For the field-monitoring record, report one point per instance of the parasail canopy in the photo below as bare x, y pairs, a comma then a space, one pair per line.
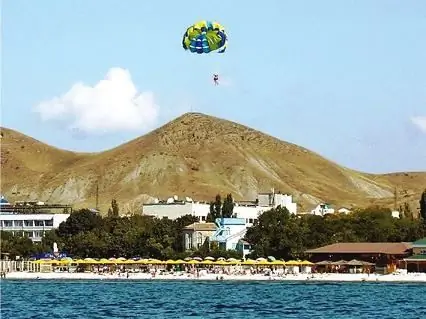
205, 37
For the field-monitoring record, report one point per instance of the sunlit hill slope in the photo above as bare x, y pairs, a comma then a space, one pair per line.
194, 155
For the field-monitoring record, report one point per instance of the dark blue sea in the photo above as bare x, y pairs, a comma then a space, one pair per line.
197, 299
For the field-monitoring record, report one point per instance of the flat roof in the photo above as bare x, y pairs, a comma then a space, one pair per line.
366, 248
420, 243
29, 216
201, 227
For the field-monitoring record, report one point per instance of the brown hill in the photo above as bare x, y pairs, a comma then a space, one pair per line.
194, 155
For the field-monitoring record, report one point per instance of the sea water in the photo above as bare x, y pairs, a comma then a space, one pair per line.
210, 299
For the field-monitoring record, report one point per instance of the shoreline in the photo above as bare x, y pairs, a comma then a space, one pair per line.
407, 278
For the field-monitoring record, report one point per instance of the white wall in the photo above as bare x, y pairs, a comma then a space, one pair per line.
275, 200
35, 225
59, 218
176, 210
200, 210
236, 232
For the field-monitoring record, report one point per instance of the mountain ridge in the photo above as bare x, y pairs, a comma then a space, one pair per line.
193, 155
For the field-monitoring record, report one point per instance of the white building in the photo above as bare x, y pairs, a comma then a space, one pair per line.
268, 200
32, 225
250, 211
396, 214
322, 209
344, 210
229, 232
177, 209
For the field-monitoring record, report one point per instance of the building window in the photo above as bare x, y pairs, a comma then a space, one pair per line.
8, 223
203, 218
38, 223
38, 233
28, 223
48, 222
250, 220
18, 223
199, 239
227, 231
28, 234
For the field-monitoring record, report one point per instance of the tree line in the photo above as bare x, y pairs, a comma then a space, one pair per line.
277, 233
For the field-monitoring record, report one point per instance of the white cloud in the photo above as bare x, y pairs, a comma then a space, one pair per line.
420, 122
113, 104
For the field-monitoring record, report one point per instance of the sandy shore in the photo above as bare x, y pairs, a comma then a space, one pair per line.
411, 277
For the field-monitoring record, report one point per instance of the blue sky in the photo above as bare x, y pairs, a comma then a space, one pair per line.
343, 78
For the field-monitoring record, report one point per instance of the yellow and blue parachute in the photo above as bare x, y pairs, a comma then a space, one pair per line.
205, 37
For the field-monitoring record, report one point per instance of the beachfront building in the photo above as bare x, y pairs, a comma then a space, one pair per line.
195, 235
229, 232
174, 208
32, 225
386, 256
417, 262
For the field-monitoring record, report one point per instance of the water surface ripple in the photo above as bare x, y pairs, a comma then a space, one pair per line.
197, 299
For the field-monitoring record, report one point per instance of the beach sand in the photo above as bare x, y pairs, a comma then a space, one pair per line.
410, 277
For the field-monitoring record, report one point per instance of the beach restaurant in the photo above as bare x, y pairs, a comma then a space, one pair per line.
417, 262
386, 256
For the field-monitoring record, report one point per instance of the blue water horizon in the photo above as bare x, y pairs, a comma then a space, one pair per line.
209, 299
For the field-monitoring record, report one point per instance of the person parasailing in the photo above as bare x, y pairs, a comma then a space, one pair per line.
216, 79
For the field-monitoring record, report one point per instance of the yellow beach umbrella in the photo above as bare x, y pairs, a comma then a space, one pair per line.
106, 261
78, 261
221, 263
179, 262
130, 262
249, 262
292, 263
193, 262
207, 262
89, 261
170, 262
278, 262
154, 261
306, 263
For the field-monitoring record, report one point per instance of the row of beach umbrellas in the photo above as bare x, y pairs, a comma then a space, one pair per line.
189, 260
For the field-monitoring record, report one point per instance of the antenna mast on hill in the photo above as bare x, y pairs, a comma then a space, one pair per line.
395, 196
97, 195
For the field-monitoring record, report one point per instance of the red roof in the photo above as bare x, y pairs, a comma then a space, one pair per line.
363, 248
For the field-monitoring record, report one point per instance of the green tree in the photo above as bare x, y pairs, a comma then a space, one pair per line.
215, 209
278, 234
423, 206
228, 206
79, 221
114, 211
